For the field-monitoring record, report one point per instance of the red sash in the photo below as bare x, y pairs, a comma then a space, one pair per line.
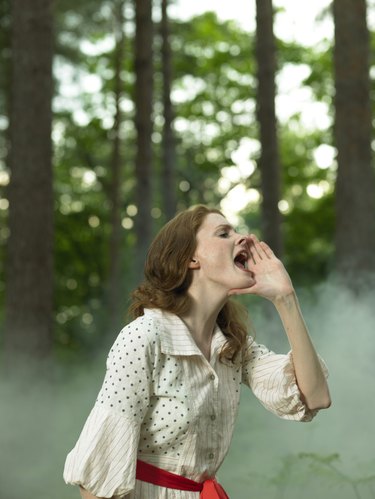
209, 489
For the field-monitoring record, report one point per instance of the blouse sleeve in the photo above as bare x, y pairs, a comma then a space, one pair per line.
272, 379
103, 460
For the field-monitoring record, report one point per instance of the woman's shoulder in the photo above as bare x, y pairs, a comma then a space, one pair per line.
145, 330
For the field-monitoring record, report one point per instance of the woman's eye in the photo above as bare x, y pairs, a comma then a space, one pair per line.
224, 234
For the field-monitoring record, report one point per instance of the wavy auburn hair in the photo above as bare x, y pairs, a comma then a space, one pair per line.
168, 277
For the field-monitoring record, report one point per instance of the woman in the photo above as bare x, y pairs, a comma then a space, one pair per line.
163, 420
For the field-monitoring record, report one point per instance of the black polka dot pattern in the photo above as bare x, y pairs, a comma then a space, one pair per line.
163, 402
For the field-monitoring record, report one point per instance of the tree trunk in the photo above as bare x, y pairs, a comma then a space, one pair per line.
29, 277
143, 123
355, 183
115, 277
169, 146
5, 76
269, 161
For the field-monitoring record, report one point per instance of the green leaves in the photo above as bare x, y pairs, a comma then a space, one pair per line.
214, 99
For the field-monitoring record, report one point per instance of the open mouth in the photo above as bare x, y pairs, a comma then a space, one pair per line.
241, 260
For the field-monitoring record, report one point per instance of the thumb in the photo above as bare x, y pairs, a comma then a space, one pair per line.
243, 291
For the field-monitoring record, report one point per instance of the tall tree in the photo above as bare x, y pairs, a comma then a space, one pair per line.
29, 283
143, 122
4, 57
269, 161
169, 147
115, 273
355, 184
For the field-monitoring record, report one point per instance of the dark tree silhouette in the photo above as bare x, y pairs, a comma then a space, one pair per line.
169, 149
355, 184
269, 161
29, 283
143, 122
115, 276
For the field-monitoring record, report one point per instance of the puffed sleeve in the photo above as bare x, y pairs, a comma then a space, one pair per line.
103, 460
272, 379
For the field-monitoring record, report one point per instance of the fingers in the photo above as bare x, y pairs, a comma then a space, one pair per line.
267, 250
256, 249
262, 249
254, 253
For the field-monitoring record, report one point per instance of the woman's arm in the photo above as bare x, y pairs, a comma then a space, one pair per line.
85, 494
273, 282
309, 374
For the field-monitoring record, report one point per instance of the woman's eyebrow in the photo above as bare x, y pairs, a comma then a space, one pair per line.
225, 226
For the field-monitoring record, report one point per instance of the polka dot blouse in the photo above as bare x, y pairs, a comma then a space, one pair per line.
163, 402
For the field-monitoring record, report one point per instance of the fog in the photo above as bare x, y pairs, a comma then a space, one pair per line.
331, 457
265, 458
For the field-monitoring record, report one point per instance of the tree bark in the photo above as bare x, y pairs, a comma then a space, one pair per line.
5, 76
355, 183
169, 146
115, 277
29, 276
269, 161
143, 123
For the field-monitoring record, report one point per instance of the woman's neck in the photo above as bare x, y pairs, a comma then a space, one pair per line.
202, 315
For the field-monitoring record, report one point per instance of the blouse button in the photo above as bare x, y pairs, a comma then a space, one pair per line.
211, 455
213, 417
212, 377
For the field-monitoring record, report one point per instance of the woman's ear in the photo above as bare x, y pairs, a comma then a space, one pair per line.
194, 264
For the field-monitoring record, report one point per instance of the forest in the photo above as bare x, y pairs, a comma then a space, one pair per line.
114, 116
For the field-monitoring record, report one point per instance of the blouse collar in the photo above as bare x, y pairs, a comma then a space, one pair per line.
176, 338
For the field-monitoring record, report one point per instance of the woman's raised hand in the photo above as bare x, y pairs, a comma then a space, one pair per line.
272, 281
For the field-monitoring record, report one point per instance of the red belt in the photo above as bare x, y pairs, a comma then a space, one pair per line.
209, 489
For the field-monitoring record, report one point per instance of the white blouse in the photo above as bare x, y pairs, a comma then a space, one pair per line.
164, 403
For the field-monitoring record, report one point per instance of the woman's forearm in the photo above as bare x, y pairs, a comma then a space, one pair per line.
85, 494
309, 374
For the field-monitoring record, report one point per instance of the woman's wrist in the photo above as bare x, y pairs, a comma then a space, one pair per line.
286, 298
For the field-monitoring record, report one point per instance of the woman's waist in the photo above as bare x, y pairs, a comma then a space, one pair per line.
208, 488
180, 466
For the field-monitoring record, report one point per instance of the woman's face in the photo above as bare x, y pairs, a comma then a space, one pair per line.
221, 255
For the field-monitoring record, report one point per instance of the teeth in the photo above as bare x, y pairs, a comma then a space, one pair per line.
241, 259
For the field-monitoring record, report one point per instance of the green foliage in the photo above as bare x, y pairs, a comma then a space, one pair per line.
318, 475
213, 86
214, 103
319, 62
309, 263
309, 223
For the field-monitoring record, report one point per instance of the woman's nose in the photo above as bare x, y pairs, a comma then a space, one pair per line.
242, 239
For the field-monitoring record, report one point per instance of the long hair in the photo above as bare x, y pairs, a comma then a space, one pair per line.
168, 277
